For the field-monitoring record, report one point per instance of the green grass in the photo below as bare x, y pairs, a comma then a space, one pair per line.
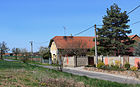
16, 74
39, 63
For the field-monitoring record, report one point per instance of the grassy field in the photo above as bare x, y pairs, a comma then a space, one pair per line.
16, 74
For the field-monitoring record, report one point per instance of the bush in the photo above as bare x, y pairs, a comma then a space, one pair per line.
99, 60
100, 65
115, 67
133, 68
127, 66
117, 62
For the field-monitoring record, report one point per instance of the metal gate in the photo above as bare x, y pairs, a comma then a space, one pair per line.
90, 60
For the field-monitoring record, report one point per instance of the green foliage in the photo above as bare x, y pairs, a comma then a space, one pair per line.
112, 37
100, 65
127, 66
115, 67
100, 50
112, 67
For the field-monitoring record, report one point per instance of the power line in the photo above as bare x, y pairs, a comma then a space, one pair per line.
133, 9
84, 30
102, 25
135, 23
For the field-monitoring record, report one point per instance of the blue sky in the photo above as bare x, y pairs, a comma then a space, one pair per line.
22, 21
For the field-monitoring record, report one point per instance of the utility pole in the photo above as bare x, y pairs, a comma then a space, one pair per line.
31, 42
96, 55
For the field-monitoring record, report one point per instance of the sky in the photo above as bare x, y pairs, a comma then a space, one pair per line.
22, 21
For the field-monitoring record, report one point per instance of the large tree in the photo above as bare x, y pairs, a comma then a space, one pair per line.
3, 49
112, 37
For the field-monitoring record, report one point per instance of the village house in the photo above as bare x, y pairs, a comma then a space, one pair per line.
59, 43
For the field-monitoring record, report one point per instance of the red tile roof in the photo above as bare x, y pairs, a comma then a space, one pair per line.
66, 42
132, 36
7, 54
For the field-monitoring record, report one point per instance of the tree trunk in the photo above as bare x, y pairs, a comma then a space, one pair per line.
1, 57
16, 56
61, 63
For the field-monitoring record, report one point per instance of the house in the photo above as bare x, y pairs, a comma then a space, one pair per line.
59, 43
67, 42
7, 54
137, 40
135, 37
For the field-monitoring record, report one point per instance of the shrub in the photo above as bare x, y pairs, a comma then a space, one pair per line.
127, 66
117, 62
115, 67
133, 68
100, 65
99, 60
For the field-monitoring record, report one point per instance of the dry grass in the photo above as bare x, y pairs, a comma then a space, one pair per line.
15, 74
17, 78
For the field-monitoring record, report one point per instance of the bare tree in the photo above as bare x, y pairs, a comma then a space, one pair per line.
44, 52
3, 49
16, 51
25, 55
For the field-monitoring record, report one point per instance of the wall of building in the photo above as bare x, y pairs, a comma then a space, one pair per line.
108, 60
71, 61
53, 50
82, 61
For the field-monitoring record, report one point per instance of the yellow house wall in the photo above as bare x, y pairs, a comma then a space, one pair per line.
53, 50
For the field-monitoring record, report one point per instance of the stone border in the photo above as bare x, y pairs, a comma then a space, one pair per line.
127, 73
